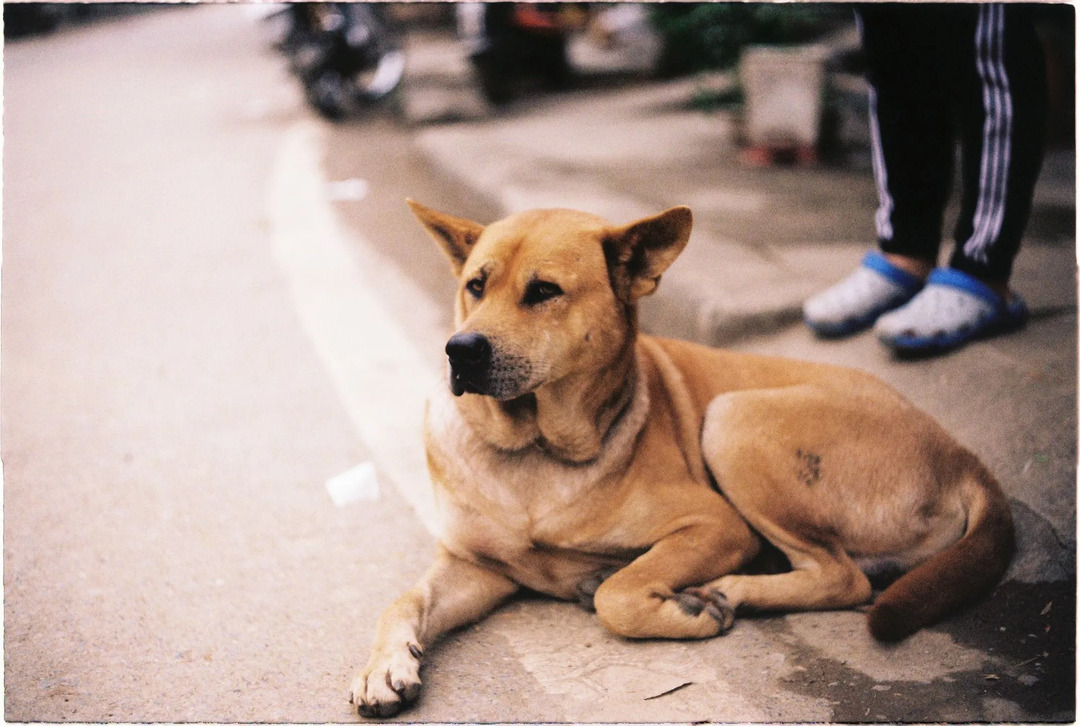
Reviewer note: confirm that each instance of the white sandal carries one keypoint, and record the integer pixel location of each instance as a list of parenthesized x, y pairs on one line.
[(854, 303)]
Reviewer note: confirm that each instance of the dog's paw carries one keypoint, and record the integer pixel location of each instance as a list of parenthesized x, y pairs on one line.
[(696, 600), (586, 589), (388, 683)]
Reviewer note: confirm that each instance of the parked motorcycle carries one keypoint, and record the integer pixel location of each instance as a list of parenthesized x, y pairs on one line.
[(346, 55), (515, 44)]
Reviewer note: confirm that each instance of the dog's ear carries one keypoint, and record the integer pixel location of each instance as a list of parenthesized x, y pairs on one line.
[(638, 253), (455, 236)]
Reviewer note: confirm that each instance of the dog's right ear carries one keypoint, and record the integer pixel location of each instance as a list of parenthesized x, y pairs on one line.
[(455, 236)]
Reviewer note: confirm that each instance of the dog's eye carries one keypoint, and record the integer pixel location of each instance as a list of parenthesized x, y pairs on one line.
[(475, 287), (539, 291)]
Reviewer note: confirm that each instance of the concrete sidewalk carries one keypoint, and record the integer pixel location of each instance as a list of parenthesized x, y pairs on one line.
[(197, 335), (765, 237)]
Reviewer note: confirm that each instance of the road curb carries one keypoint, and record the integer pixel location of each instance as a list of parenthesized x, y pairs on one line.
[(694, 301)]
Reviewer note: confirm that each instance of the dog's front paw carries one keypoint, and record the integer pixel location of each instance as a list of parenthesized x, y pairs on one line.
[(694, 600), (389, 683), (586, 589)]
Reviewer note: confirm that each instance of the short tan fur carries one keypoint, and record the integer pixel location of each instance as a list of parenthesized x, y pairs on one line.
[(641, 476)]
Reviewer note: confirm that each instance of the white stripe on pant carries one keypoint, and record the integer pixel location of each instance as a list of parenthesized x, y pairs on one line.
[(997, 131)]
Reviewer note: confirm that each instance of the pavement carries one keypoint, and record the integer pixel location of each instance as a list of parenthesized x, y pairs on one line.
[(214, 303)]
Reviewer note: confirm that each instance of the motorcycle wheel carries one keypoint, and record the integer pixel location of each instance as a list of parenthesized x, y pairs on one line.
[(379, 82), (496, 83), (329, 93)]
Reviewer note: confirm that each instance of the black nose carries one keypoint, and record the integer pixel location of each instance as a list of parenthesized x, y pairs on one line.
[(469, 352)]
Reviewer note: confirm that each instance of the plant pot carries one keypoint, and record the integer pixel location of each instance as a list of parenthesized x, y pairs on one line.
[(784, 96)]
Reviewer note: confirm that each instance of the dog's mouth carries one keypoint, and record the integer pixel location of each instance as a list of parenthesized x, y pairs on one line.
[(477, 367), (460, 383), (499, 384)]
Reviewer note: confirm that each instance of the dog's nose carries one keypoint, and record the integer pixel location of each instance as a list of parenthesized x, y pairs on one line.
[(468, 351)]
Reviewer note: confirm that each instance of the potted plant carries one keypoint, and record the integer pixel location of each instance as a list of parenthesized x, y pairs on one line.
[(781, 71)]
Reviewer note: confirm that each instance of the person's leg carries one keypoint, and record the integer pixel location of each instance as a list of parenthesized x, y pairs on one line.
[(911, 124), (1000, 89), (912, 151), (1002, 92)]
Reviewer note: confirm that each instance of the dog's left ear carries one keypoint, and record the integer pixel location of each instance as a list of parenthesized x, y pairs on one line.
[(638, 253), (454, 235)]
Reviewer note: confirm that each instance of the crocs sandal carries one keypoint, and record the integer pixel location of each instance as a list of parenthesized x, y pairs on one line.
[(854, 303), (954, 308)]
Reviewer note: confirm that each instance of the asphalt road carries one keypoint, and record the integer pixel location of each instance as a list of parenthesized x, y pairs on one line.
[(212, 304)]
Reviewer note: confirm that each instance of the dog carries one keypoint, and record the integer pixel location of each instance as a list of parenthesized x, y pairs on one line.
[(645, 477)]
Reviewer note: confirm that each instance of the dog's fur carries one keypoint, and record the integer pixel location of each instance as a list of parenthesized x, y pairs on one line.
[(642, 476)]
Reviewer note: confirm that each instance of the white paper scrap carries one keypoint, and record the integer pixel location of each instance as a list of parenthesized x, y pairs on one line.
[(347, 190), (358, 484)]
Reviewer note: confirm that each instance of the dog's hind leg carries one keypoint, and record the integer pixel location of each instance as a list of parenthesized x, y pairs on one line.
[(822, 578), (766, 452)]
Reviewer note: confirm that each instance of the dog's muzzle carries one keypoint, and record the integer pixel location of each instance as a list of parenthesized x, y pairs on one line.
[(470, 356)]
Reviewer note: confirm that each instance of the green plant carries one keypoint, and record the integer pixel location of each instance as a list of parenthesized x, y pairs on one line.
[(707, 36)]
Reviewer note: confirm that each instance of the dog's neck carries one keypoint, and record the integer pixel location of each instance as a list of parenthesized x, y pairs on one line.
[(568, 419)]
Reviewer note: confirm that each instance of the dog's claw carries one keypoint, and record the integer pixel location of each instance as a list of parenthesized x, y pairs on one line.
[(587, 588), (379, 710), (697, 599), (407, 691), (689, 603), (386, 709), (389, 684)]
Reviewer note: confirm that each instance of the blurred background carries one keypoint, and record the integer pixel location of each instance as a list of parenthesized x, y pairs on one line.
[(518, 49), (220, 322)]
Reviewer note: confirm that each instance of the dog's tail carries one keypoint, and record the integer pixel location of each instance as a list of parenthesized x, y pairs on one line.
[(962, 572)]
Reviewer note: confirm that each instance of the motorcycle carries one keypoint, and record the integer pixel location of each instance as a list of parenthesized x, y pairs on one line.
[(346, 55), (515, 44)]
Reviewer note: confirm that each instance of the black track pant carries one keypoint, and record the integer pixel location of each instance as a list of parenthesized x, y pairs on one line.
[(942, 71)]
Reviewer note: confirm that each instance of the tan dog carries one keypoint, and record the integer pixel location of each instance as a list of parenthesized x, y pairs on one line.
[(574, 457)]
